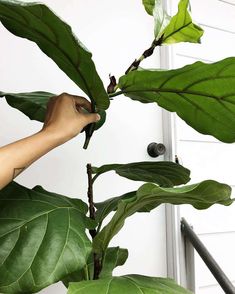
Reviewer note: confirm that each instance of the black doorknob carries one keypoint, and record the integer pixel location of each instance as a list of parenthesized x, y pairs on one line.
[(154, 149)]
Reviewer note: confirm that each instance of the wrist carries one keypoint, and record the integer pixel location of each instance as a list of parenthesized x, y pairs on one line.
[(52, 136)]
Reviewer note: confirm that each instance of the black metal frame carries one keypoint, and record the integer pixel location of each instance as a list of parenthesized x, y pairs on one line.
[(212, 265)]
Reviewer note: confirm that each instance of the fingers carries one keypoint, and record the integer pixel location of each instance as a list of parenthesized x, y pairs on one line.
[(84, 103), (78, 100), (81, 102)]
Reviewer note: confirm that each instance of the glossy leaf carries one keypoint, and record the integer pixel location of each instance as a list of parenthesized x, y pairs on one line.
[(163, 173), (42, 238), (201, 94), (181, 28), (149, 196), (54, 37), (114, 257), (130, 284), (33, 104)]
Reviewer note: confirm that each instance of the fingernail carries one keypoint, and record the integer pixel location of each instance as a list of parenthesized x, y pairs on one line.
[(97, 117)]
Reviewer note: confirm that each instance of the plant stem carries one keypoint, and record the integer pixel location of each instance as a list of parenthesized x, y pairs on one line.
[(89, 130), (97, 266), (90, 197), (135, 64), (115, 94), (146, 54), (87, 141), (96, 258)]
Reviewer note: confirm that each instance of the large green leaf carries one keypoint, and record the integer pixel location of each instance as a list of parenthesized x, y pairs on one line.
[(149, 196), (201, 94), (181, 28), (130, 284), (54, 37), (33, 104), (163, 173), (42, 238)]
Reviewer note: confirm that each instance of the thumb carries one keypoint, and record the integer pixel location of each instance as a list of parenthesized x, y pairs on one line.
[(92, 117)]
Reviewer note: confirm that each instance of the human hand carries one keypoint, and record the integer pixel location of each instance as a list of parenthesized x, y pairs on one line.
[(65, 117)]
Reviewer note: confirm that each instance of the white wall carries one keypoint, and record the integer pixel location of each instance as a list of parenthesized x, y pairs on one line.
[(205, 156), (116, 32)]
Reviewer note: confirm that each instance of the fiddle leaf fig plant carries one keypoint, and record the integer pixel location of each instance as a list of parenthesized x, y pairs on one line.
[(46, 237)]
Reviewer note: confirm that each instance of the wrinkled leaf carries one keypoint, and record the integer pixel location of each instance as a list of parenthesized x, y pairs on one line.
[(203, 95), (114, 257), (40, 239), (149, 196), (181, 28), (33, 104), (163, 173), (161, 19), (54, 37), (131, 284)]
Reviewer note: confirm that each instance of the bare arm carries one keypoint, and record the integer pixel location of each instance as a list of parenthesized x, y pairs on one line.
[(64, 120)]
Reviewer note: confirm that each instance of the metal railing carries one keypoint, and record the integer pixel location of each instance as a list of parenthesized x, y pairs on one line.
[(212, 265)]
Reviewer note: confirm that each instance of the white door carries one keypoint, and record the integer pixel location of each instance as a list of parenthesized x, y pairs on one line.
[(206, 157), (116, 32)]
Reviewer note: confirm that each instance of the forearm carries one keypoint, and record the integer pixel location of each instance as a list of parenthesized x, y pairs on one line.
[(65, 118), (16, 157)]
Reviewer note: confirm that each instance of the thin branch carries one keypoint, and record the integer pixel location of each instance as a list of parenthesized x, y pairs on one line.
[(135, 64), (112, 88), (90, 198), (115, 94), (93, 233), (97, 266)]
